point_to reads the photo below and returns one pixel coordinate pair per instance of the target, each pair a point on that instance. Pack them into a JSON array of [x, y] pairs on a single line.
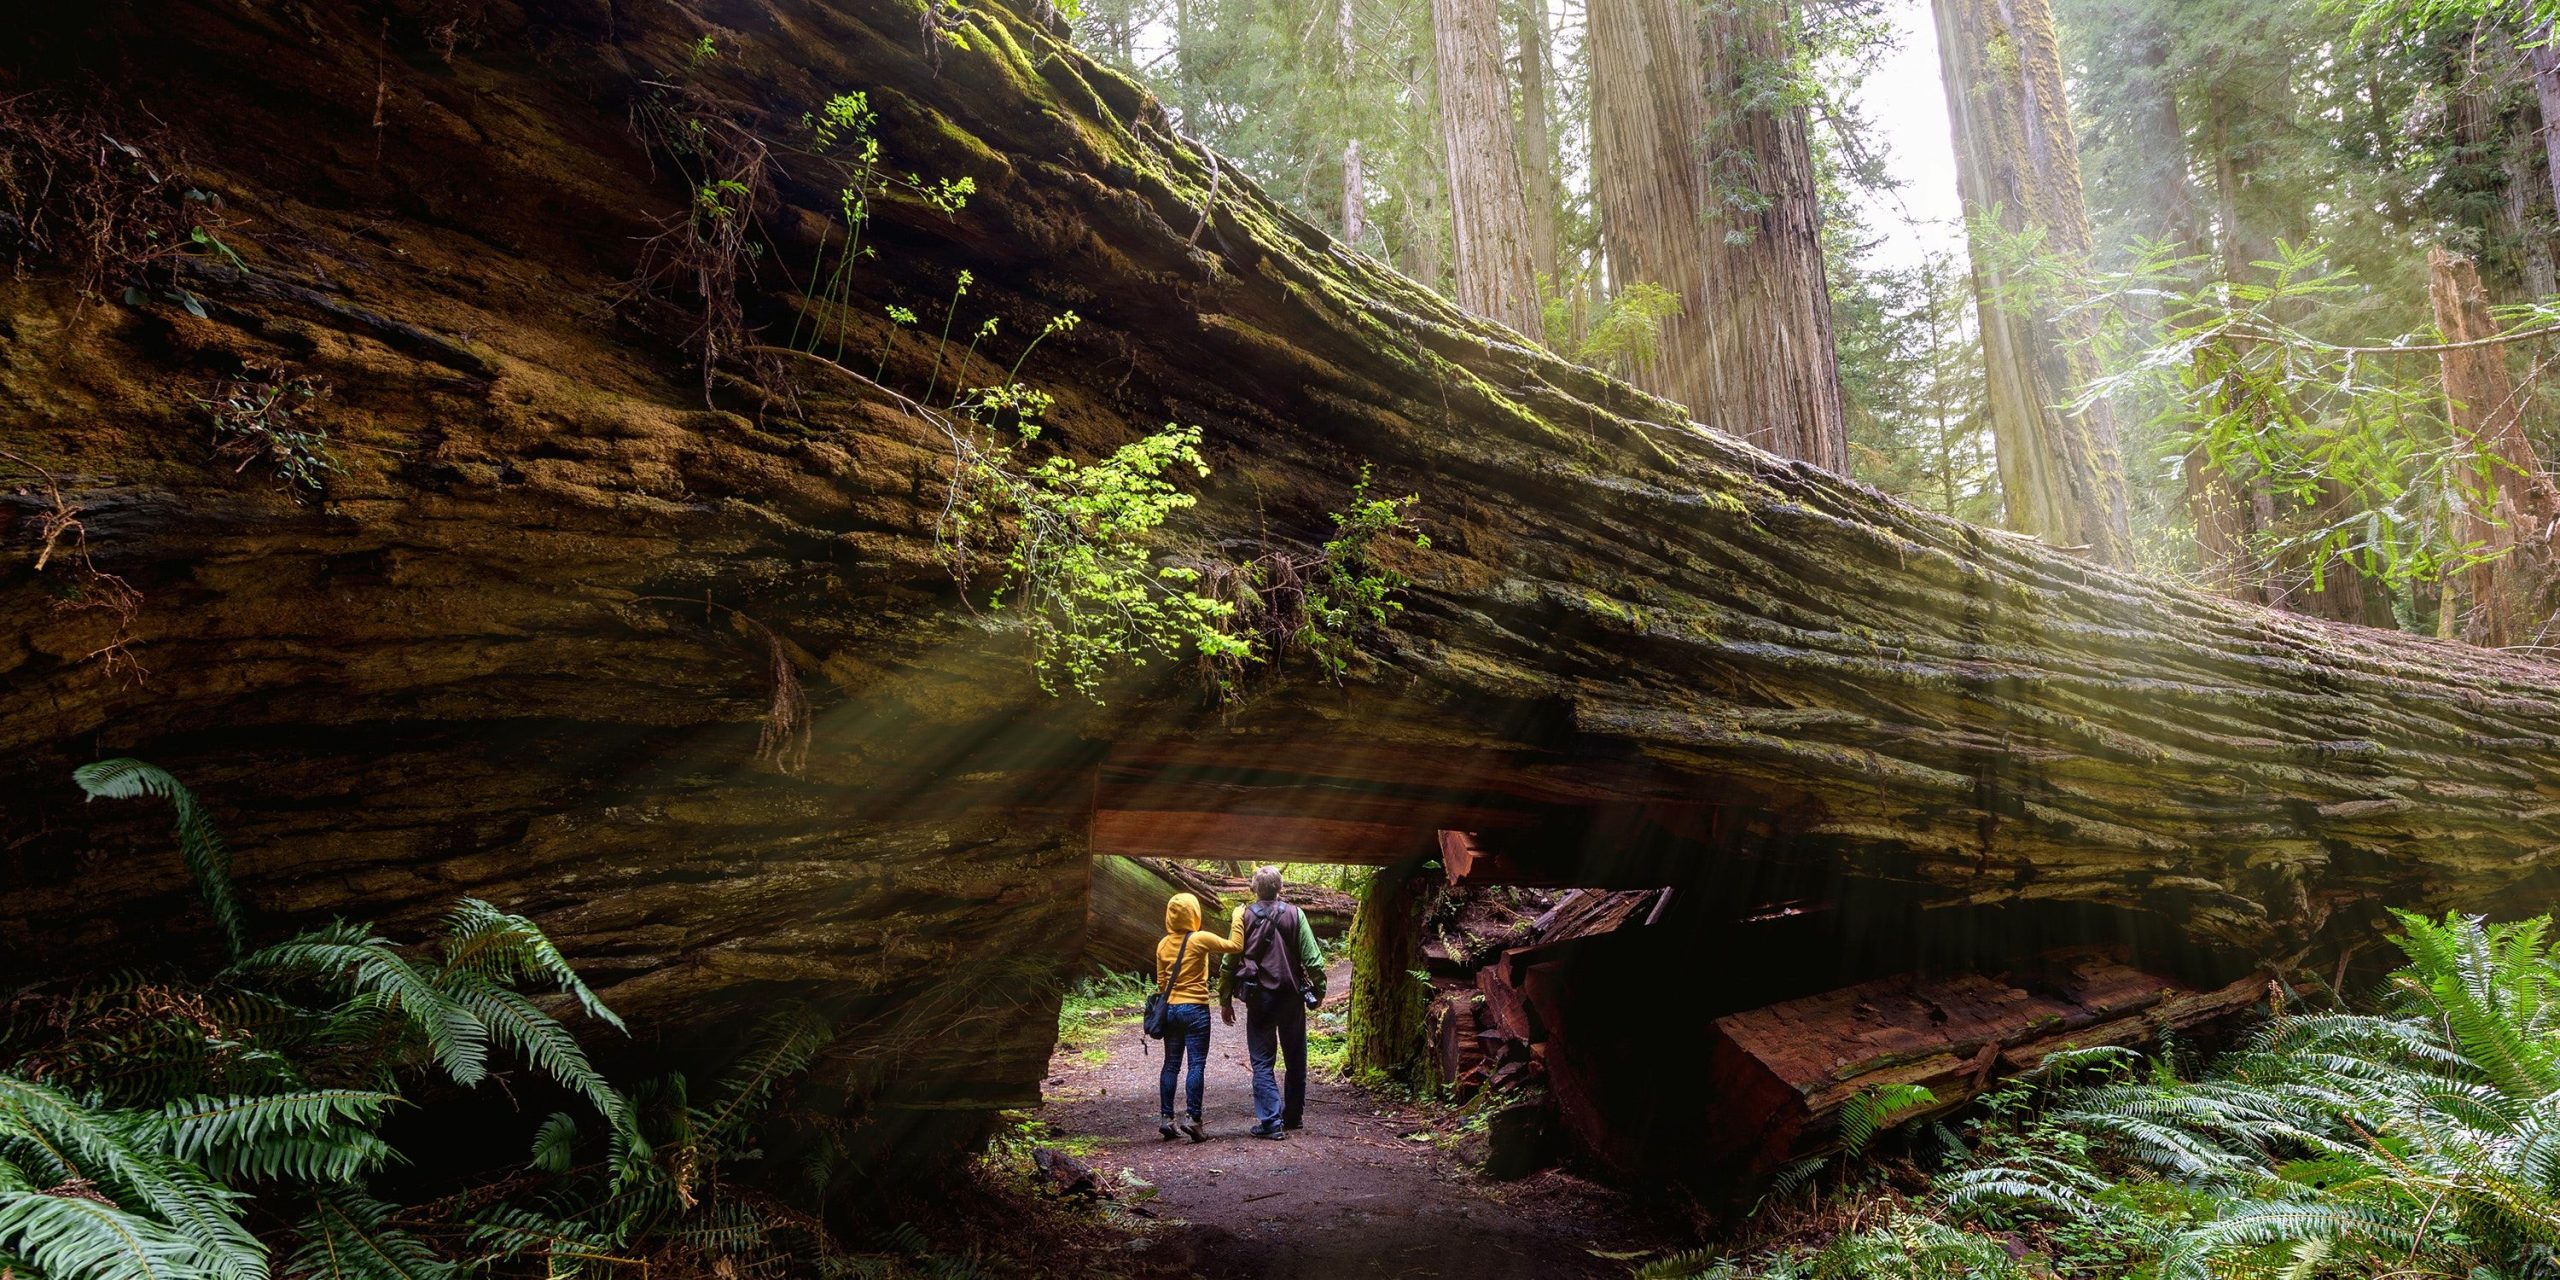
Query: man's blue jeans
[[1275, 1024], [1186, 1031]]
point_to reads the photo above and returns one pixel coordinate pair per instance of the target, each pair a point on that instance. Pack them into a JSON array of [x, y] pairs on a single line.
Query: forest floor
[[1370, 1188]]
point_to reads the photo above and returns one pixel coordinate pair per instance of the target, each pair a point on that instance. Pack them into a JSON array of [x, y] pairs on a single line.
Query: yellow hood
[[1181, 913]]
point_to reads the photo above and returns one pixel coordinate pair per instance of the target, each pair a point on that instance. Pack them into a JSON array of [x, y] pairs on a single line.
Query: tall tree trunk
[[2018, 169], [2505, 595], [1355, 177], [1648, 118], [1538, 143], [1712, 197], [2545, 60], [1497, 267]]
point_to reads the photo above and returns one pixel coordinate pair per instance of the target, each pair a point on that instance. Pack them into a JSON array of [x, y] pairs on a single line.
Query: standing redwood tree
[[2506, 594], [1497, 262], [1355, 177], [2018, 169], [1705, 185]]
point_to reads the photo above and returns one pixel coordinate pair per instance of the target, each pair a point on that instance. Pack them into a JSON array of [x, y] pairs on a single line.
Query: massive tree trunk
[[1711, 195], [523, 642], [1497, 263], [2018, 168]]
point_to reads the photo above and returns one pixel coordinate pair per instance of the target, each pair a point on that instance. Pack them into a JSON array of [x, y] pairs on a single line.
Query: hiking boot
[[1271, 1131], [1293, 1124], [1170, 1133], [1192, 1127]]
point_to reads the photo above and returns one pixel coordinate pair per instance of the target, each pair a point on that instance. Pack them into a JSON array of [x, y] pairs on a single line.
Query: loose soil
[[1367, 1189]]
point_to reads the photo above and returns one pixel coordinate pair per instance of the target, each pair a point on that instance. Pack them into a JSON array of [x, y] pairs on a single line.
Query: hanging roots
[[59, 534]]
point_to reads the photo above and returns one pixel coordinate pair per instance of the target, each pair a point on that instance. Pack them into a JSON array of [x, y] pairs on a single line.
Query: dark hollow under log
[[520, 643]]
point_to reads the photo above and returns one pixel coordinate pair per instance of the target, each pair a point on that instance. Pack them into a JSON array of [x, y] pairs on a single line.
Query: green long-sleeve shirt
[[1310, 958]]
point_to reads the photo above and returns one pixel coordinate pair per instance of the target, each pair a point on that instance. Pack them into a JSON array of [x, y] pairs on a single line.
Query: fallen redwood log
[[524, 644], [1778, 1077]]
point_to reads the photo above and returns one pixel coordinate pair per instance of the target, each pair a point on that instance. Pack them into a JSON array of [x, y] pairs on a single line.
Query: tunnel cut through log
[[1705, 985]]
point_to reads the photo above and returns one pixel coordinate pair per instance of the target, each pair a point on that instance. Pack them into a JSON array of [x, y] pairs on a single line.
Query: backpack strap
[[1288, 926], [1165, 988]]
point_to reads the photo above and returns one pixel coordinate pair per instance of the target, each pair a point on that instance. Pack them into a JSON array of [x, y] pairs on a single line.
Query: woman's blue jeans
[[1186, 1031]]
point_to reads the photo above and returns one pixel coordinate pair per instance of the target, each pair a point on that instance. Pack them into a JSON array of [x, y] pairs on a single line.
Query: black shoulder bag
[[1158, 999]]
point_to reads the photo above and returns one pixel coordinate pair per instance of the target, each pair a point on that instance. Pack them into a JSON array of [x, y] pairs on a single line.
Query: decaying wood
[[1782, 1073], [441, 677]]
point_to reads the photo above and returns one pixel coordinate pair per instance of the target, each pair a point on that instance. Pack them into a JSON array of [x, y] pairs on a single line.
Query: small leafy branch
[[1076, 574], [842, 134], [256, 419], [1067, 550], [2351, 444]]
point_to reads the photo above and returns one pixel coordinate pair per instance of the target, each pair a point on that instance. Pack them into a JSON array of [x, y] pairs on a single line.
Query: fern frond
[[555, 1144], [518, 1023], [243, 1136], [124, 1153], [71, 1235], [1875, 1110], [207, 858], [351, 1237], [481, 939], [345, 952], [789, 1040]]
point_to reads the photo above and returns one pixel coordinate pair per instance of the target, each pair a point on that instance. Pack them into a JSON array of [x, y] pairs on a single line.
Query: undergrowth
[[234, 1122], [2420, 1140]]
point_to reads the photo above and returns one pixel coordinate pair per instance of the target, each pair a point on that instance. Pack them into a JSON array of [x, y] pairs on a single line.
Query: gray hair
[[1266, 883]]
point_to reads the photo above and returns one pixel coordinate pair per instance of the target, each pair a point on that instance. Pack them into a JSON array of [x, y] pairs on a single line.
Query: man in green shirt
[[1281, 974]]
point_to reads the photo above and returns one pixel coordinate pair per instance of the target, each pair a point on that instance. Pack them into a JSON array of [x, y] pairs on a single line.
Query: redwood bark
[[1712, 197], [1488, 203], [2018, 170], [2544, 59], [1538, 155], [1355, 175], [2505, 595]]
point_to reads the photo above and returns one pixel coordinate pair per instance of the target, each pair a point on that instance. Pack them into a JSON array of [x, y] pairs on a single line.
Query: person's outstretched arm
[[1227, 970]]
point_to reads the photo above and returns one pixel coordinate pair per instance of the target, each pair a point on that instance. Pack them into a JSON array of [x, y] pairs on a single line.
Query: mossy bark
[[1390, 998]]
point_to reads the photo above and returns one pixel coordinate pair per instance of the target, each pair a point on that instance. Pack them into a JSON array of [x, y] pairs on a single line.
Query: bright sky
[[1908, 108]]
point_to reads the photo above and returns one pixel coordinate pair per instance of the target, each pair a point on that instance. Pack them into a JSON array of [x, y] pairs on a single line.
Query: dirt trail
[[1352, 1195]]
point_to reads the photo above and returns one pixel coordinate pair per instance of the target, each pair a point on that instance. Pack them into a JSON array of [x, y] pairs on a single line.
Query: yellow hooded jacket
[[1182, 920]]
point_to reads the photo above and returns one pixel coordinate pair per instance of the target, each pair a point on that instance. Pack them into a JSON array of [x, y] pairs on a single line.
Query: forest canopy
[[2214, 279]]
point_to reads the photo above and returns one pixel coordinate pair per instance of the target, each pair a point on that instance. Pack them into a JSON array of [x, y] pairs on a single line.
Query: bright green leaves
[[1078, 575], [1349, 592]]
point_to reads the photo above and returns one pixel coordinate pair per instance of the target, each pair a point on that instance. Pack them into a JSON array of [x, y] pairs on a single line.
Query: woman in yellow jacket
[[1182, 973]]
